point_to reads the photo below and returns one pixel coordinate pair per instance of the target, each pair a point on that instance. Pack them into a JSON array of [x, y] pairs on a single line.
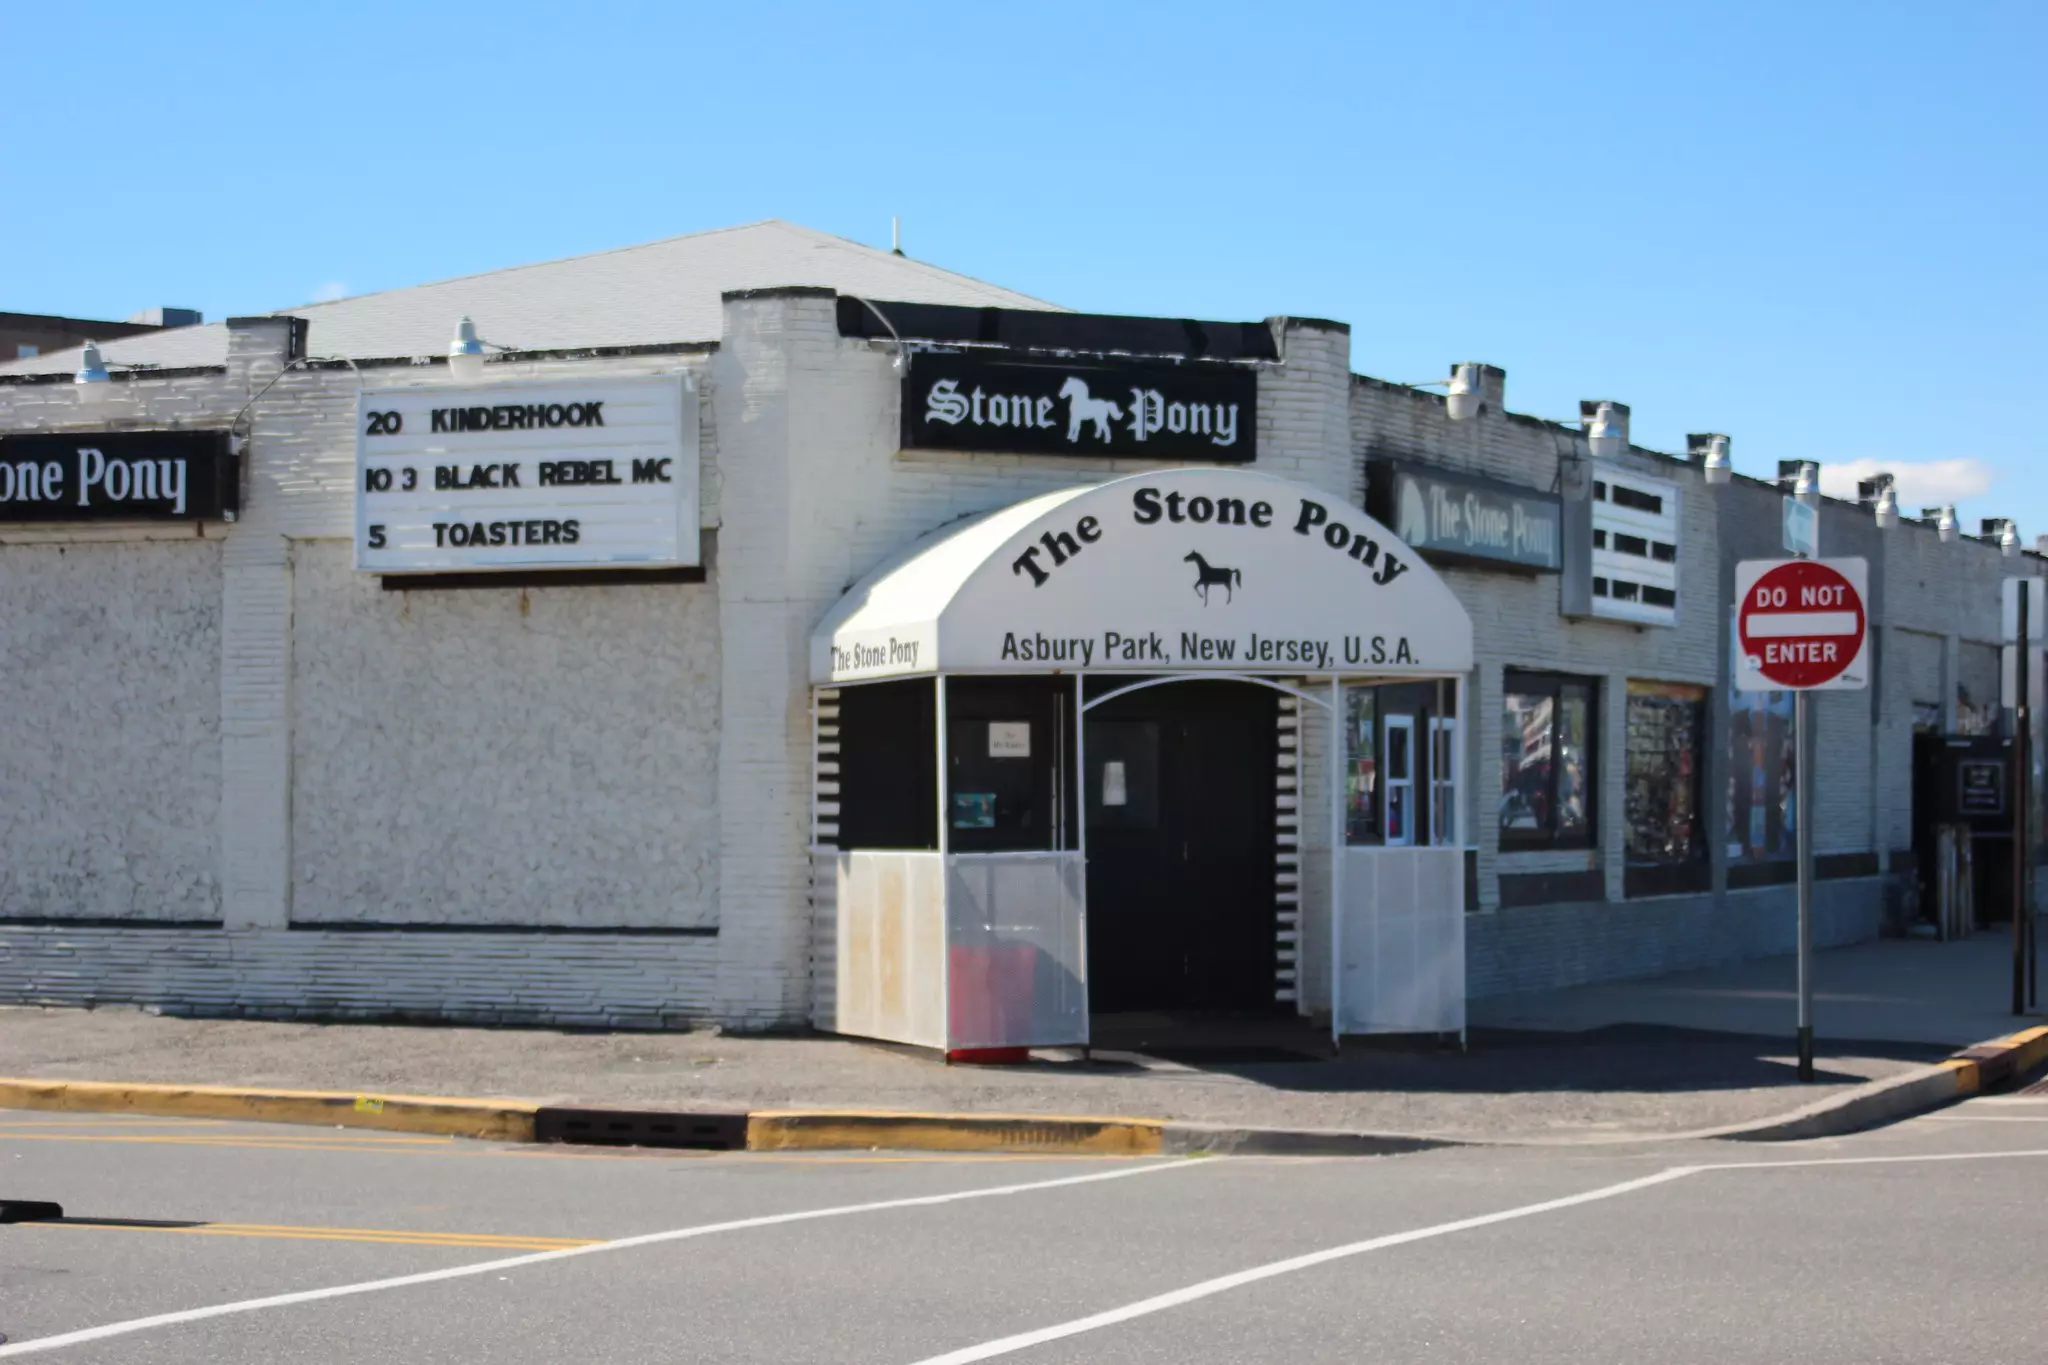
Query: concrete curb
[[1988, 1064], [1969, 1072], [502, 1120]]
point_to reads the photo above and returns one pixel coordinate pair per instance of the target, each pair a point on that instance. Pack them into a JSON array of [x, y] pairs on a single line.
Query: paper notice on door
[[1009, 739], [1115, 791]]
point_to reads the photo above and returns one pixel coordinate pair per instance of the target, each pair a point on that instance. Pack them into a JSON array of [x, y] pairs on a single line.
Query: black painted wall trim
[[1551, 888], [538, 578], [1672, 880], [1036, 328], [1742, 876], [612, 931], [100, 922], [1836, 866]]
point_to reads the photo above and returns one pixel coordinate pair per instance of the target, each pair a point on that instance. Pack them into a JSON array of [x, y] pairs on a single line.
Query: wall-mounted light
[[1464, 395], [1887, 507], [465, 354], [92, 380], [1807, 487], [1710, 448], [2009, 541], [1948, 527], [1464, 391], [1606, 432]]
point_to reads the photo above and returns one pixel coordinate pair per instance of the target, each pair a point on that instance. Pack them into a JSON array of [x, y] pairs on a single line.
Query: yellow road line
[[484, 1241], [121, 1134]]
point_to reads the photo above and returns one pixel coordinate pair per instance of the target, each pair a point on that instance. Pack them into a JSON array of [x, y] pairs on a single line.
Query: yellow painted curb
[[502, 1120], [840, 1129], [1969, 1077]]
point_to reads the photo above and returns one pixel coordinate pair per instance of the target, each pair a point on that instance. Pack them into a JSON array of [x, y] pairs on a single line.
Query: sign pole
[[1802, 814], [2022, 777]]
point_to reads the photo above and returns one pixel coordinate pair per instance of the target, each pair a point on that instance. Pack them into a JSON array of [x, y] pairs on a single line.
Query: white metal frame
[[1335, 762]]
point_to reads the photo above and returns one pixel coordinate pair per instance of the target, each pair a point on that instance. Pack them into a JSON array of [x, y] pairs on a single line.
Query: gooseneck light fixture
[[1717, 467], [1464, 393], [1606, 437], [466, 353], [92, 381]]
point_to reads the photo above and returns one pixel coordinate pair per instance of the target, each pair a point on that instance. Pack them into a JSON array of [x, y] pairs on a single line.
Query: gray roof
[[666, 291]]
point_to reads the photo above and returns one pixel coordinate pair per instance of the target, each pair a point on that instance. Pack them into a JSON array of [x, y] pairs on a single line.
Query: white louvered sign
[[564, 474], [1635, 547]]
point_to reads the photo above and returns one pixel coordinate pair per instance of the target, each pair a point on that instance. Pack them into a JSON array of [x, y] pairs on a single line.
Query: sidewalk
[[1677, 1054], [1889, 991]]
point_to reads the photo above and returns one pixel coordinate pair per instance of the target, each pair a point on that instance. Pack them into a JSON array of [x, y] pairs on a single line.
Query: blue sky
[[1815, 226]]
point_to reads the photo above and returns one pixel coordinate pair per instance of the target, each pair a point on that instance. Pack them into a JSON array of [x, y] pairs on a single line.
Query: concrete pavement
[[1908, 1243], [1888, 991]]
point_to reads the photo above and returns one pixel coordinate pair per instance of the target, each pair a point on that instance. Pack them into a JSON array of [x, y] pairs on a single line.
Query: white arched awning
[[1205, 570]]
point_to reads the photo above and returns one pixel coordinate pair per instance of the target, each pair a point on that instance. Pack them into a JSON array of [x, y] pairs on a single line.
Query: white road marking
[[1986, 1118], [1176, 1298], [115, 1329]]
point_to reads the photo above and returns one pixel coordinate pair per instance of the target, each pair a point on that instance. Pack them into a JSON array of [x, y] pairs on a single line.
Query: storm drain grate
[[641, 1128]]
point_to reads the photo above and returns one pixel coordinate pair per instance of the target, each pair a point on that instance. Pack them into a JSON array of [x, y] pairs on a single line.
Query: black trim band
[[603, 931], [102, 922], [539, 578], [1041, 329]]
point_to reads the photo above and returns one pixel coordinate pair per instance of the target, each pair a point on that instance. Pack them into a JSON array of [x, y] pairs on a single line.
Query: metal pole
[[1081, 847], [1340, 746], [2022, 777], [1802, 815]]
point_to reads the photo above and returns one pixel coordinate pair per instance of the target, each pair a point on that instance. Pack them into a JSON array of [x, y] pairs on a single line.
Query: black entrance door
[[1181, 848]]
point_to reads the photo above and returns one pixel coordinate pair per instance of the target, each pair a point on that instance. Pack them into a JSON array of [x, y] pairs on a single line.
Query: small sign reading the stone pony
[[1200, 411]]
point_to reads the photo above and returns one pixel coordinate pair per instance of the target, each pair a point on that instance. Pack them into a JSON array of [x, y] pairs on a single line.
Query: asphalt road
[[246, 1244]]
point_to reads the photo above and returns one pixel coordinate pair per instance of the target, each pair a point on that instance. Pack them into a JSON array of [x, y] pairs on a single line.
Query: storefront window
[[1547, 761], [1762, 754], [1667, 850]]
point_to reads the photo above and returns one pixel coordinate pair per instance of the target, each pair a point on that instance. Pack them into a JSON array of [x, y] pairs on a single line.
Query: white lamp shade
[[1464, 395], [91, 379], [465, 354], [1605, 436], [1719, 469]]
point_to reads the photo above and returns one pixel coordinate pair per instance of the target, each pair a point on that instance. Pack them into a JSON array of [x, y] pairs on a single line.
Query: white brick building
[[240, 775]]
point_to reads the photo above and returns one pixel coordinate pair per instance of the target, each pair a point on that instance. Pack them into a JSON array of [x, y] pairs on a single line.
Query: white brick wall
[[111, 757]]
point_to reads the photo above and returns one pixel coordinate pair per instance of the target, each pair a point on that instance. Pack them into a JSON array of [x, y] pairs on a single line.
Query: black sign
[[1459, 517], [119, 476], [1980, 786], [1199, 411]]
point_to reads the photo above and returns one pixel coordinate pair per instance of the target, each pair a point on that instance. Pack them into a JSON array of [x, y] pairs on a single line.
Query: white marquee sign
[[556, 475], [1221, 570]]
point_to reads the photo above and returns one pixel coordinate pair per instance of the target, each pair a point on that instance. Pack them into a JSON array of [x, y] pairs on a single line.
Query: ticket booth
[[1184, 741]]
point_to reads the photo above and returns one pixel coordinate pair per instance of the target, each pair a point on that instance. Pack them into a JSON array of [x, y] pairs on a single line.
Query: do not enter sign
[[1800, 624]]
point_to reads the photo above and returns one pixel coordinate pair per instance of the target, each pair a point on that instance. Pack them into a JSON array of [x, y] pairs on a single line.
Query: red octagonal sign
[[1800, 622]]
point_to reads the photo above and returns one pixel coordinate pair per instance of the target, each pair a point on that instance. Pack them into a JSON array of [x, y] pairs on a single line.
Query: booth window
[[1547, 761], [1400, 765], [1763, 821], [888, 765], [1667, 851], [1005, 745]]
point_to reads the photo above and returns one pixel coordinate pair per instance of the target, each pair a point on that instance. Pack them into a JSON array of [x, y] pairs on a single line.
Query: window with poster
[[1763, 819], [1401, 765], [1547, 761], [1666, 845]]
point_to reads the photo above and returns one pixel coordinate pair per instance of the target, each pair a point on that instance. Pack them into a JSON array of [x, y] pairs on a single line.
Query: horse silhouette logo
[[1082, 409], [1209, 576]]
